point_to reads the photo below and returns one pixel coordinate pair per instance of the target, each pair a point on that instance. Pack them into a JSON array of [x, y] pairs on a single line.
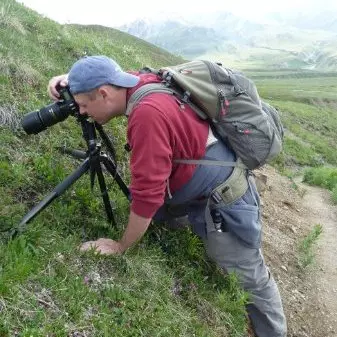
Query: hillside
[[46, 287], [164, 286], [34, 48]]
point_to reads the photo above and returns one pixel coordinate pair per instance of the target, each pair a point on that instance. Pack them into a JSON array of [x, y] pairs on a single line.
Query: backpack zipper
[[215, 81], [223, 102]]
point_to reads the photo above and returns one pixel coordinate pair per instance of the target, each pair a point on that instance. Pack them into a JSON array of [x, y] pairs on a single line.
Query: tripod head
[[89, 133]]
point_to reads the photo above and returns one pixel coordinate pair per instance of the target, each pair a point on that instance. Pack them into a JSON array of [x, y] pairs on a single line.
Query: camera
[[37, 121]]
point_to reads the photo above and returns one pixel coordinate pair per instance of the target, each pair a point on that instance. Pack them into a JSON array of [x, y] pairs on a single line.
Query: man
[[161, 129]]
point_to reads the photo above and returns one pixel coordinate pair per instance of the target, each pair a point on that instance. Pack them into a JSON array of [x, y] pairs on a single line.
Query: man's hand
[[103, 246], [61, 80], [135, 229]]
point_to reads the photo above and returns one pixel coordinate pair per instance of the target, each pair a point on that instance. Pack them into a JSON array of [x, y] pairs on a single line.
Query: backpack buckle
[[167, 77], [186, 97]]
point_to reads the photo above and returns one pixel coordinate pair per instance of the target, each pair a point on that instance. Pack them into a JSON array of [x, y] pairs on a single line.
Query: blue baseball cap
[[91, 72]]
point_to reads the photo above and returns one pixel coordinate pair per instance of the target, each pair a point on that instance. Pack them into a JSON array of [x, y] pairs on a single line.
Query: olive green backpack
[[229, 101]]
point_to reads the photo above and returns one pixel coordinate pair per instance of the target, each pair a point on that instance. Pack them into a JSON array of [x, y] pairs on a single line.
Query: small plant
[[306, 251], [299, 189], [334, 194]]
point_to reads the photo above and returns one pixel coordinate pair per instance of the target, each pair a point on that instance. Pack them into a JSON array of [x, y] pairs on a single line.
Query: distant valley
[[294, 41]]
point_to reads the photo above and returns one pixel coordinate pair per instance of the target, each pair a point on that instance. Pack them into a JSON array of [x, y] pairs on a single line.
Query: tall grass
[[323, 176]]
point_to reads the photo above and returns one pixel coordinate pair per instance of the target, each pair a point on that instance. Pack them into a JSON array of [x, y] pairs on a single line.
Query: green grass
[[164, 286], [307, 103], [323, 176], [307, 245], [318, 88], [48, 288]]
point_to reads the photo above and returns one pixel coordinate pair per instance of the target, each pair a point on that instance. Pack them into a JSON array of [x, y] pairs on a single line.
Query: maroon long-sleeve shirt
[[161, 129]]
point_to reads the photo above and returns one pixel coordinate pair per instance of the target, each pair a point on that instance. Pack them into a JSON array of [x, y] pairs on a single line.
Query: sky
[[113, 13]]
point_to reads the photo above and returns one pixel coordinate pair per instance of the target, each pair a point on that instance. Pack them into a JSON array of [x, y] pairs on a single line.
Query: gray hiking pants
[[232, 255], [230, 252], [265, 308]]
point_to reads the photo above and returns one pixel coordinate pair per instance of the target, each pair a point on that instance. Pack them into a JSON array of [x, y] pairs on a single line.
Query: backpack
[[229, 101]]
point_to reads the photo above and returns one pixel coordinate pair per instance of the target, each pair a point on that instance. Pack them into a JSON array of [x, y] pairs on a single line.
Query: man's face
[[102, 104]]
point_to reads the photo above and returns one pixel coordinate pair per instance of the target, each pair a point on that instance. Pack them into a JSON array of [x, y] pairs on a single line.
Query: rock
[[292, 228], [261, 182], [288, 203]]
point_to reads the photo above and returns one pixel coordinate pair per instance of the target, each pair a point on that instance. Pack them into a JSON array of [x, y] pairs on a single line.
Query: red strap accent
[[225, 107]]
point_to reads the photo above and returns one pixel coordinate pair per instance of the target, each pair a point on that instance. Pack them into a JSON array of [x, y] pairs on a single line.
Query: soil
[[290, 210]]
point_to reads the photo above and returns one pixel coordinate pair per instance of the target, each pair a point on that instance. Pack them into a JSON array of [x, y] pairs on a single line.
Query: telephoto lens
[[37, 121]]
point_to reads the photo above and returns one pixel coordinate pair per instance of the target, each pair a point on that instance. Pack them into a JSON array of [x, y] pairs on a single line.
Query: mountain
[[280, 41], [172, 36]]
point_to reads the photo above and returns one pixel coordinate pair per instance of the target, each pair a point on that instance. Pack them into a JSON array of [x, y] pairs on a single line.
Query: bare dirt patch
[[290, 210]]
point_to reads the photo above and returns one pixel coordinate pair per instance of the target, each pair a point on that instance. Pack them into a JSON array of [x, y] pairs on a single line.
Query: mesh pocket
[[249, 143]]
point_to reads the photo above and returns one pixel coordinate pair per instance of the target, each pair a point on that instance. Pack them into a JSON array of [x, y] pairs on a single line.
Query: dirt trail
[[290, 210], [322, 212]]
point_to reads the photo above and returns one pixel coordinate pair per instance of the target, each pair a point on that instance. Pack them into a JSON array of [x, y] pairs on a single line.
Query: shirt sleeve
[[151, 140]]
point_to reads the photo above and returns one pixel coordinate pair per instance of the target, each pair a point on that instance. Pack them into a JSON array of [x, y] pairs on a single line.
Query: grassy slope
[[307, 101], [163, 287]]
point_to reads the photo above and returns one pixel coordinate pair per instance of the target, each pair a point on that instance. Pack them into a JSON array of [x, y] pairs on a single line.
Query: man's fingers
[[88, 245], [64, 83], [102, 246], [61, 80], [52, 92]]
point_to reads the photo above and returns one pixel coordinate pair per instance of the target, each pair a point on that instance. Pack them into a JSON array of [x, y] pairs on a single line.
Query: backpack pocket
[[250, 144]]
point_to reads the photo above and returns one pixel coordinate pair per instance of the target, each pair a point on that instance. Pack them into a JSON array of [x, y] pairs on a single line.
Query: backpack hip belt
[[233, 188]]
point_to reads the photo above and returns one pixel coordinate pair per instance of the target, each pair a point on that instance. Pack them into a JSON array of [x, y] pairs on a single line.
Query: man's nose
[[83, 111]]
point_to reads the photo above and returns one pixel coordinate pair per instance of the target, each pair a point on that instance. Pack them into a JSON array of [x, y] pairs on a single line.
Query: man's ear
[[103, 91]]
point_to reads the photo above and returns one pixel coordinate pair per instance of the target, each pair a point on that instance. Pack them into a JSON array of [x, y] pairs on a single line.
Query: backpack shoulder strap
[[150, 88], [143, 91]]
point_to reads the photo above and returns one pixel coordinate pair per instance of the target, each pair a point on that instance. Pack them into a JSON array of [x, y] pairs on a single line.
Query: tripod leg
[[58, 190], [74, 153], [111, 167], [104, 193]]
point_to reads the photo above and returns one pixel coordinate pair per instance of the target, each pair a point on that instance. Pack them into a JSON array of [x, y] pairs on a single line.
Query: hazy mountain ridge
[[172, 35], [294, 41], [325, 20]]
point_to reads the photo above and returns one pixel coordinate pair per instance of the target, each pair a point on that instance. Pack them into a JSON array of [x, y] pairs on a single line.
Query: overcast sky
[[112, 13]]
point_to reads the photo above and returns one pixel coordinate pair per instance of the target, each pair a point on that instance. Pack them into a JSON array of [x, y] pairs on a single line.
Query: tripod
[[93, 159]]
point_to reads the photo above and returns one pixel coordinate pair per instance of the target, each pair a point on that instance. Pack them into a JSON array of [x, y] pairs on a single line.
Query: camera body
[[36, 121]]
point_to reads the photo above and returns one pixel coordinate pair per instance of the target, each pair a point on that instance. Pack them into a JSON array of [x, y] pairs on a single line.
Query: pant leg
[[174, 216], [265, 309]]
